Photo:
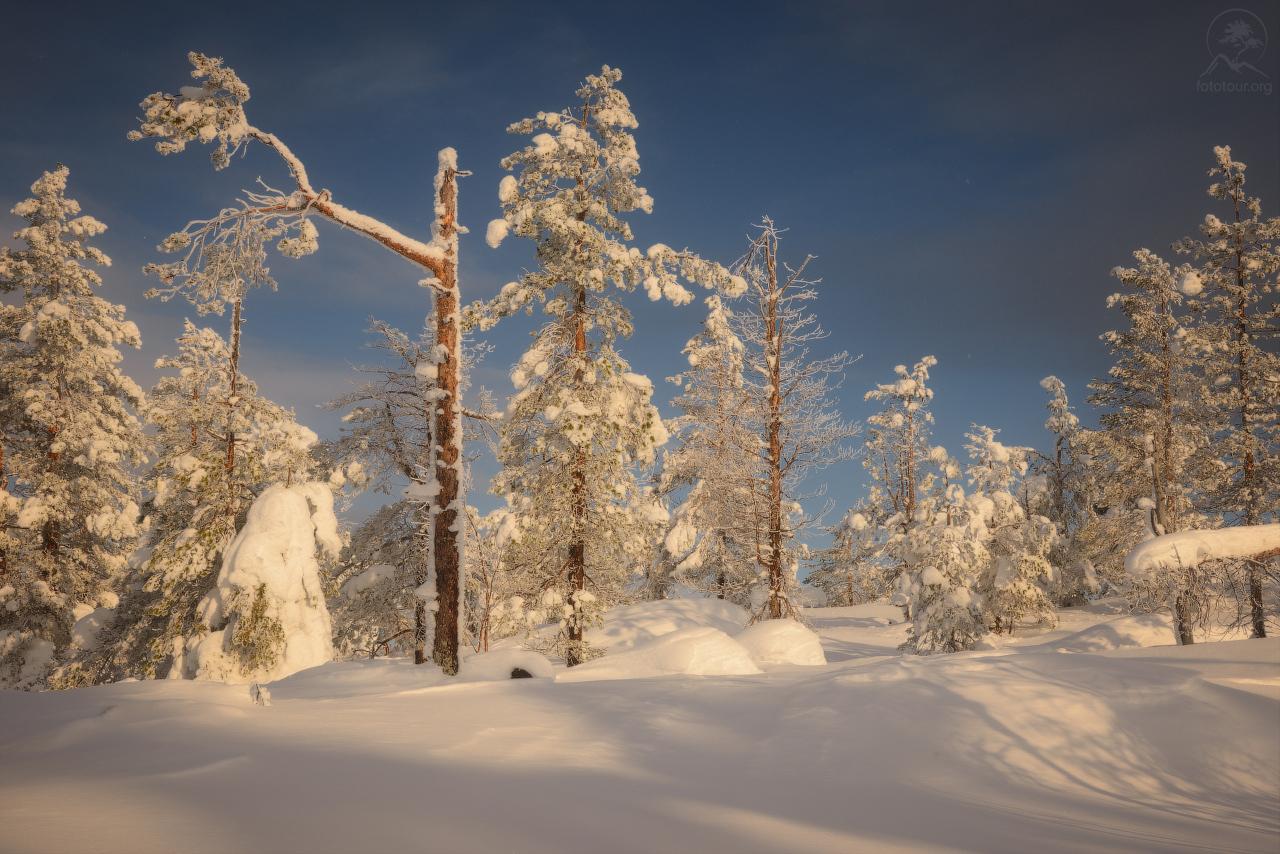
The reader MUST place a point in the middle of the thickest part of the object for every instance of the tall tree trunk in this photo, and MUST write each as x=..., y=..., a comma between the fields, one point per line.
x=446, y=520
x=233, y=399
x=4, y=560
x=577, y=564
x=773, y=354
x=1249, y=465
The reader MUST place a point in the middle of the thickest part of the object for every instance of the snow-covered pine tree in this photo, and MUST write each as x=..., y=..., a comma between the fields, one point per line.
x=898, y=458
x=1064, y=493
x=387, y=433
x=1235, y=285
x=581, y=422
x=1153, y=419
x=266, y=616
x=213, y=113
x=1014, y=583
x=943, y=553
x=70, y=435
x=715, y=464
x=799, y=429
x=199, y=496
x=856, y=567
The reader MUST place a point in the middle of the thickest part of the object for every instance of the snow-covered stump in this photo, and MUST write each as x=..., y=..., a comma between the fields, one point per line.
x=267, y=617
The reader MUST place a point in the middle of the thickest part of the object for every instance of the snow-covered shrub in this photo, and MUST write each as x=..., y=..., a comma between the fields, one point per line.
x=267, y=616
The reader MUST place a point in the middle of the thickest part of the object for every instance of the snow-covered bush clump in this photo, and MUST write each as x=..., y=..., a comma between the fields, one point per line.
x=267, y=616
x=773, y=642
x=700, y=651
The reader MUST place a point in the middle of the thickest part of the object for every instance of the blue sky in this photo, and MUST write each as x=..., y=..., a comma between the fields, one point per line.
x=967, y=174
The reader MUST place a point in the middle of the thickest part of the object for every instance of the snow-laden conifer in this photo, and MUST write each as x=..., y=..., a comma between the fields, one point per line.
x=70, y=434
x=581, y=422
x=1234, y=285
x=1154, y=421
x=198, y=499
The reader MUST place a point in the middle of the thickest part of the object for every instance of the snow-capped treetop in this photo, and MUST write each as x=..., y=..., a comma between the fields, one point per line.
x=994, y=467
x=56, y=234
x=574, y=183
x=228, y=249
x=1061, y=421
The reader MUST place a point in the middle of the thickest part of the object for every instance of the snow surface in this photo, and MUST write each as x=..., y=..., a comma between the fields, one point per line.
x=1020, y=748
x=1190, y=548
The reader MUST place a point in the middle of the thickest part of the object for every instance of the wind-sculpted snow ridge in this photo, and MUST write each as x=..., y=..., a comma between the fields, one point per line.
x=1022, y=748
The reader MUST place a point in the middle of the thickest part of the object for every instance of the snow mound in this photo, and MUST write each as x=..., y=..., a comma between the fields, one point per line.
x=781, y=642
x=697, y=651
x=1131, y=631
x=629, y=626
x=500, y=663
x=1190, y=548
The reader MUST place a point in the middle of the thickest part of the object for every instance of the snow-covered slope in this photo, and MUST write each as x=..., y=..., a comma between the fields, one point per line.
x=1020, y=748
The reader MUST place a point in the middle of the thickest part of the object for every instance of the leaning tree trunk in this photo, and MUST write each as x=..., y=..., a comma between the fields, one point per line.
x=446, y=533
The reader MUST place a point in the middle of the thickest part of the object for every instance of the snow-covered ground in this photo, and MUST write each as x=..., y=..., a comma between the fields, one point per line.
x=1098, y=735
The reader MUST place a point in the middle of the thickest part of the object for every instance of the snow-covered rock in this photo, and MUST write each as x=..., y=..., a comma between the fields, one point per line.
x=772, y=642
x=502, y=663
x=698, y=651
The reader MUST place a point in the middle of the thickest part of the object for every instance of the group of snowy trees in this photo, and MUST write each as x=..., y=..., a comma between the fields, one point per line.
x=105, y=577
x=143, y=535
x=1189, y=437
x=189, y=532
